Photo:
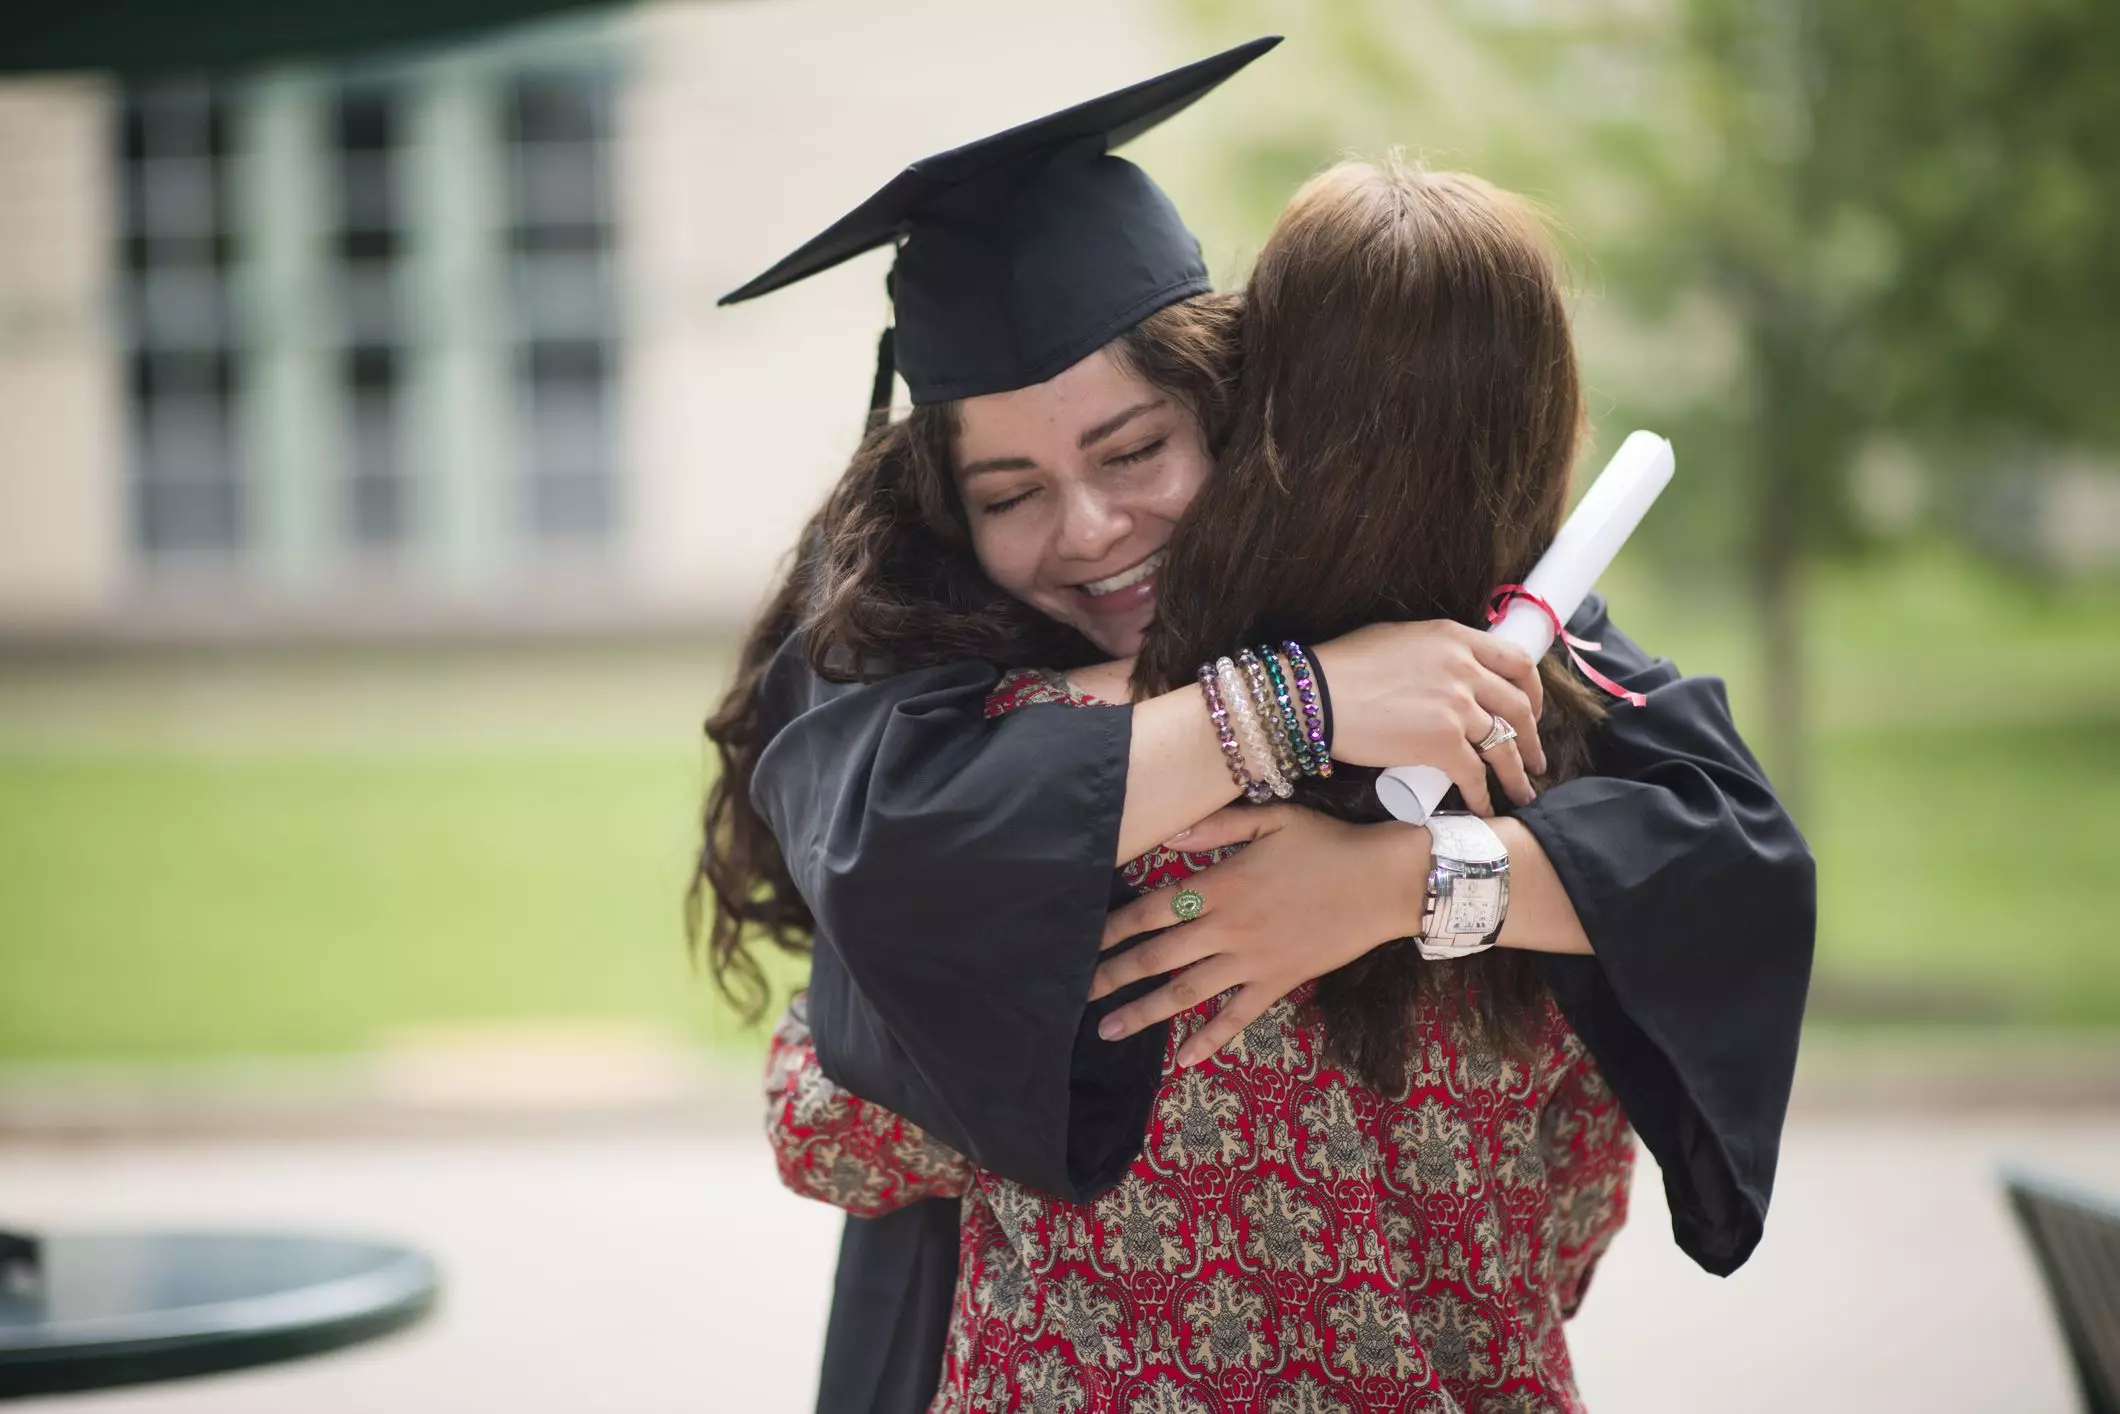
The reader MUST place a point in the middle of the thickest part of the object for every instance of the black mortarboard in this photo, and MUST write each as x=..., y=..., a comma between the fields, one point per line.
x=1023, y=253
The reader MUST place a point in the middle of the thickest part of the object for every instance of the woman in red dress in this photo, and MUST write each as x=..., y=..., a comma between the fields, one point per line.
x=1387, y=1189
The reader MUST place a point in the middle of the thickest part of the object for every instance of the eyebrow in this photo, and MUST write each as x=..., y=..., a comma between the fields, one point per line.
x=1110, y=425
x=1087, y=440
x=997, y=464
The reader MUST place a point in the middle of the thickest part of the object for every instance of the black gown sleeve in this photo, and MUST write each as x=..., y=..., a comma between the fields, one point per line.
x=1699, y=899
x=959, y=870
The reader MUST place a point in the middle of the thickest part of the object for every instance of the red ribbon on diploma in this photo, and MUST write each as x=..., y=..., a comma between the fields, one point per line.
x=1498, y=605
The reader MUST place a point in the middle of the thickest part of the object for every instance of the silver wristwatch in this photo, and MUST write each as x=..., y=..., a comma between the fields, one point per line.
x=1468, y=887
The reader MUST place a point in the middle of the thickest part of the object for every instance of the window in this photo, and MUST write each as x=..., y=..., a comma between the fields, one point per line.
x=349, y=217
x=177, y=250
x=558, y=131
x=368, y=250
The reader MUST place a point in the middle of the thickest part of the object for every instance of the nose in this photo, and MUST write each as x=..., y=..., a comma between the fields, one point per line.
x=1092, y=523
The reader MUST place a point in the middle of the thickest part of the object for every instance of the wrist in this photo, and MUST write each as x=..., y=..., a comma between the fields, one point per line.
x=1405, y=853
x=1468, y=878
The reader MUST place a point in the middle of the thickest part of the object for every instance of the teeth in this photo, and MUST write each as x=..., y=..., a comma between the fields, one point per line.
x=1097, y=588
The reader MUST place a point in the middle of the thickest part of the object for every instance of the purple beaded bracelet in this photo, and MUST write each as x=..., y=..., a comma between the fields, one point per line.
x=1313, y=718
x=1224, y=733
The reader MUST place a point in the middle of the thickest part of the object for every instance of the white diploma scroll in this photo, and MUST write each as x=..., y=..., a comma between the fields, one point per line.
x=1564, y=575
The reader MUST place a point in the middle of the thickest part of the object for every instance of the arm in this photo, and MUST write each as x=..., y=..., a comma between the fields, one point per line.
x=904, y=814
x=1701, y=899
x=839, y=1149
x=1307, y=895
x=1589, y=1163
x=1674, y=863
x=1174, y=772
x=1401, y=692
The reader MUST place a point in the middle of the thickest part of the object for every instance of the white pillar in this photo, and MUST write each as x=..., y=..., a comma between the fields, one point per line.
x=63, y=514
x=290, y=400
x=462, y=412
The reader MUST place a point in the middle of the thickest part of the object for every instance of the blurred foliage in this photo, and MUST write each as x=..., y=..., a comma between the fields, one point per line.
x=1820, y=229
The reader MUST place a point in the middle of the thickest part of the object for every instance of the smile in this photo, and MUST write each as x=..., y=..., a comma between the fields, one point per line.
x=1098, y=588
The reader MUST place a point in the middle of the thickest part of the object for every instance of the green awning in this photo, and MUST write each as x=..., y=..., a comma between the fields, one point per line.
x=141, y=37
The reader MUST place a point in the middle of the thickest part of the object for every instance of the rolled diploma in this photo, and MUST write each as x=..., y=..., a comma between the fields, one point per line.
x=1563, y=577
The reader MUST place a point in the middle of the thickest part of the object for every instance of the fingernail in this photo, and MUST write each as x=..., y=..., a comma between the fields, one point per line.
x=1181, y=835
x=1111, y=1028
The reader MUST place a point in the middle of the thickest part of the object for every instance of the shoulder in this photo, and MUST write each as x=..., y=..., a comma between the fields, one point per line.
x=1025, y=687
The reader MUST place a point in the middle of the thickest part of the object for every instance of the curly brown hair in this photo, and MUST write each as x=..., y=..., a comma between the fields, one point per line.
x=1394, y=408
x=884, y=580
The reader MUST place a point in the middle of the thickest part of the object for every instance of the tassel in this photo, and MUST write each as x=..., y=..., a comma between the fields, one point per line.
x=886, y=371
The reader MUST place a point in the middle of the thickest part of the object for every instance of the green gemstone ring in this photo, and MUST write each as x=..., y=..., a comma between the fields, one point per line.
x=1188, y=905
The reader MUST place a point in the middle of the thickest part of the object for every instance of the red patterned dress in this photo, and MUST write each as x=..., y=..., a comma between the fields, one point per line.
x=1289, y=1241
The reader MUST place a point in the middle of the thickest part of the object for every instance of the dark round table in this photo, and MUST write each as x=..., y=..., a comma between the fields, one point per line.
x=92, y=1310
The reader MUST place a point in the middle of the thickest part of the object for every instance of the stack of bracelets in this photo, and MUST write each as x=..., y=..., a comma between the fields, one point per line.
x=1268, y=712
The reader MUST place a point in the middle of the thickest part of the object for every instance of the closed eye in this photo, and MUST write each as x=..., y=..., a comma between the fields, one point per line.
x=994, y=508
x=1140, y=454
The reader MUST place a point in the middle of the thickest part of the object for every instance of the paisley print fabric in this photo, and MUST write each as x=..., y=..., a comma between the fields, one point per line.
x=830, y=1146
x=1287, y=1242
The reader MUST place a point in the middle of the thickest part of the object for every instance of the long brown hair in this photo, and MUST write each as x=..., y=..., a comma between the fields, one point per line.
x=1407, y=416
x=885, y=580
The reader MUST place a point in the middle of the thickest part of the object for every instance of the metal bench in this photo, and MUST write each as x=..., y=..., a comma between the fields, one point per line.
x=2076, y=1238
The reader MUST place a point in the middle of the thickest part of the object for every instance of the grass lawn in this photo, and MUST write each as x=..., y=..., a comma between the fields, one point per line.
x=167, y=904
x=243, y=860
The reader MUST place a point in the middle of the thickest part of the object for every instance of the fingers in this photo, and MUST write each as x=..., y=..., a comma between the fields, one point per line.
x=1156, y=909
x=1508, y=765
x=1469, y=774
x=1166, y=952
x=1233, y=824
x=1149, y=912
x=1224, y=1026
x=1505, y=659
x=1182, y=993
x=1500, y=698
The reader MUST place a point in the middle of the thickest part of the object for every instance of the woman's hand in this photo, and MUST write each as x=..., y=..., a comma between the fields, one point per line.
x=1310, y=894
x=1427, y=694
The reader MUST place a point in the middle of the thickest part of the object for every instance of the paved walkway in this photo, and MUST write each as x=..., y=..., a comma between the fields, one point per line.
x=648, y=1275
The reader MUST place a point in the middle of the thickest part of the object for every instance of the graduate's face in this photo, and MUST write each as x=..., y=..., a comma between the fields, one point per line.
x=1072, y=488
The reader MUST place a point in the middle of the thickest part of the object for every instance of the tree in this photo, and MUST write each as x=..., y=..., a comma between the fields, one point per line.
x=1897, y=219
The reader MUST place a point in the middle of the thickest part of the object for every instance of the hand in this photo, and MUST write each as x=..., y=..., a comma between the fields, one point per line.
x=1310, y=894
x=1424, y=694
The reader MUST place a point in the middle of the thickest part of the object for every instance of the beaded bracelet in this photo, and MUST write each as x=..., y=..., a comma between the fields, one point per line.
x=1223, y=734
x=1313, y=719
x=1270, y=719
x=1268, y=781
x=1285, y=709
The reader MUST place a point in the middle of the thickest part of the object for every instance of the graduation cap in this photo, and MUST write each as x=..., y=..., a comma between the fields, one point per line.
x=1021, y=254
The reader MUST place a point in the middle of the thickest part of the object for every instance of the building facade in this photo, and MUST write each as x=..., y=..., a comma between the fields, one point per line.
x=427, y=342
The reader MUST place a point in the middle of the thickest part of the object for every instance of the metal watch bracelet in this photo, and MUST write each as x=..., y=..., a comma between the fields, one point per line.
x=1468, y=887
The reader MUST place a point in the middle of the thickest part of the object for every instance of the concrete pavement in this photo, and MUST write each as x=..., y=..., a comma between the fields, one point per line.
x=650, y=1274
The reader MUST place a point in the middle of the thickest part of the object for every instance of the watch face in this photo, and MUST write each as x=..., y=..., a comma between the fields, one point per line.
x=1465, y=838
x=1475, y=907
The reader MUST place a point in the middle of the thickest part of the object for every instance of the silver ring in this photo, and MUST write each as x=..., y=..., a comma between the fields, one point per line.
x=1502, y=732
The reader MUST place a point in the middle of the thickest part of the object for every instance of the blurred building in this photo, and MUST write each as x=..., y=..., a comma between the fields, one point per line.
x=426, y=343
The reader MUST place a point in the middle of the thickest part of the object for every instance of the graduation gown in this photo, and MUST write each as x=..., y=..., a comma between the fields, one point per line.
x=960, y=869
